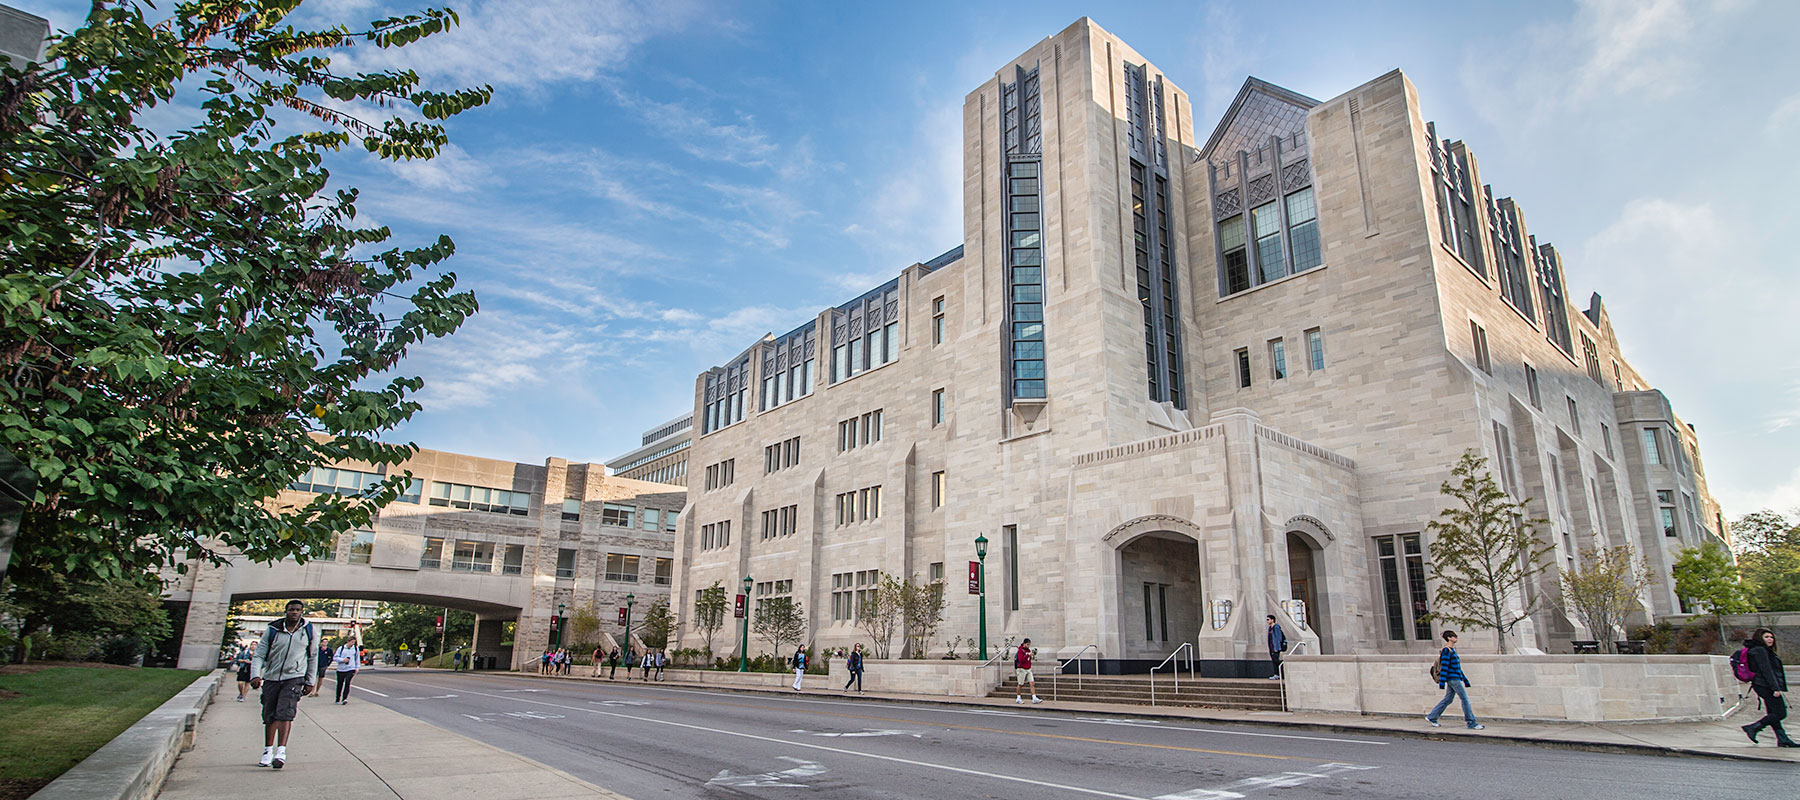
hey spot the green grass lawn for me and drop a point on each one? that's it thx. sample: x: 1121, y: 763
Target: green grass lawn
x: 64, y: 714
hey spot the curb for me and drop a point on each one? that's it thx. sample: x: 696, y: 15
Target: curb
x: 1320, y: 727
x: 133, y: 765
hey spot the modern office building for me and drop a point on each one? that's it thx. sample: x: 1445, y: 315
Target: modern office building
x: 1181, y: 383
x: 663, y: 456
x: 512, y: 542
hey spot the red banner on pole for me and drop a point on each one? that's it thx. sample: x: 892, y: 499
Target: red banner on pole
x: 738, y: 611
x: 974, y: 577
x: 440, y: 622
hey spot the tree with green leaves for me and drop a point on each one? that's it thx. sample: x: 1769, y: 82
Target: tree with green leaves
x: 84, y: 618
x: 1605, y: 592
x: 1705, y: 576
x: 190, y: 319
x: 922, y: 610
x: 1768, y: 547
x: 781, y: 621
x: 882, y: 613
x: 658, y: 624
x: 584, y: 628
x: 416, y: 627
x: 709, y: 614
x: 1484, y: 551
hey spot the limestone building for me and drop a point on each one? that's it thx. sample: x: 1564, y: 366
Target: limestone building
x: 1181, y: 383
x: 509, y: 541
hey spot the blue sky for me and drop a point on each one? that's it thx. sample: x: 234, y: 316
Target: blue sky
x: 658, y: 184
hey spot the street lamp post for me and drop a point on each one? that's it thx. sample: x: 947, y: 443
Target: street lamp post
x: 981, y: 578
x: 629, y: 599
x: 562, y: 618
x: 744, y: 643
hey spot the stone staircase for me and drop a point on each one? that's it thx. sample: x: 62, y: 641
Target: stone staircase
x: 1241, y: 693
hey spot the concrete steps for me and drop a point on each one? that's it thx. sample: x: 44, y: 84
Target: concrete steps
x: 1241, y: 693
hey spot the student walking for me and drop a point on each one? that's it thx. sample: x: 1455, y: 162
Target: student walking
x: 1455, y: 684
x: 324, y: 662
x: 649, y: 663
x: 799, y: 666
x: 599, y: 658
x: 283, y: 670
x: 1277, y: 646
x: 662, y: 659
x: 855, y: 665
x: 612, y: 659
x: 347, y: 659
x: 1770, y: 684
x: 241, y: 662
x: 1022, y: 673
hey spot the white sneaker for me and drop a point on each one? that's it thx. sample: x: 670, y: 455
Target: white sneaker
x: 280, y: 757
x: 268, y: 755
x: 1036, y: 699
x: 1019, y: 700
x: 240, y: 699
x: 1432, y: 722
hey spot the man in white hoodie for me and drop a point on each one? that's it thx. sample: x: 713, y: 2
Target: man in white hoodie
x: 283, y: 670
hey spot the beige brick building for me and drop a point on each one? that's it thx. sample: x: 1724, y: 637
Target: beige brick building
x: 508, y: 541
x: 1182, y: 383
x: 662, y: 458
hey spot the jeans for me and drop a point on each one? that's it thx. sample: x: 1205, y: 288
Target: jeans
x: 1457, y: 690
x: 343, y: 684
x: 855, y: 678
x: 1775, y: 710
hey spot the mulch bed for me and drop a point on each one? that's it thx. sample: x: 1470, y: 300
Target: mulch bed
x: 21, y: 788
x: 35, y: 666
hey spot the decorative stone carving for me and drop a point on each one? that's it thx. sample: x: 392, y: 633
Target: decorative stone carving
x: 1262, y: 190
x: 1296, y: 176
x: 1227, y: 204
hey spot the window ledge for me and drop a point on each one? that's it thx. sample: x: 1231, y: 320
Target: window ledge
x: 1485, y: 281
x: 1278, y: 281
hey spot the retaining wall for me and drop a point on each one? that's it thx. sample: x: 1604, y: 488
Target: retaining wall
x: 133, y: 765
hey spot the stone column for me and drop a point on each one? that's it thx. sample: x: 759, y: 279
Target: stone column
x: 1245, y: 577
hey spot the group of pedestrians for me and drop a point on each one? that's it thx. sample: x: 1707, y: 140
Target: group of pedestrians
x: 652, y: 662
x: 556, y: 661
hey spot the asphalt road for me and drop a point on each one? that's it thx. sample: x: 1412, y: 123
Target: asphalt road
x: 647, y: 741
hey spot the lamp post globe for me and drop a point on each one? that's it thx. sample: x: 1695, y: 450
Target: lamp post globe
x: 744, y: 642
x: 981, y: 544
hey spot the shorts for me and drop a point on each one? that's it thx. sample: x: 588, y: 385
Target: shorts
x: 281, y: 699
x: 244, y: 674
x: 1024, y: 676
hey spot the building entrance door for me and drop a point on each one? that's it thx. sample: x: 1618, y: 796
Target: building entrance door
x: 1304, y: 585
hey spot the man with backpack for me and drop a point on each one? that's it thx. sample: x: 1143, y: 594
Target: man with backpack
x: 1022, y: 673
x: 855, y: 665
x: 1768, y: 678
x: 283, y: 670
x: 1277, y: 646
x: 1449, y: 676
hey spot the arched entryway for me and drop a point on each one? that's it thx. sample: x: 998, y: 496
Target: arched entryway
x: 1306, y: 577
x: 1160, y: 593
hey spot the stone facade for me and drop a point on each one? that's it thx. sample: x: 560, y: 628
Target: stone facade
x: 1211, y: 441
x: 436, y: 546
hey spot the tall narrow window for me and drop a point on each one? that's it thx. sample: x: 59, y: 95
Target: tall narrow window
x: 1303, y: 229
x: 1277, y: 359
x: 1390, y: 588
x: 1574, y: 417
x: 1243, y: 367
x: 937, y: 407
x: 1652, y: 447
x: 1026, y: 286
x: 1234, y: 254
x: 1531, y: 387
x: 1315, y: 350
x: 938, y: 488
x: 1012, y: 567
x: 937, y: 321
x: 1266, y: 219
x: 1606, y: 438
x: 1503, y: 459
x: 1415, y: 583
x: 1479, y: 336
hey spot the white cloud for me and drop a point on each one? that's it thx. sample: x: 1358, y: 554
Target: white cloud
x: 496, y: 354
x: 1782, y: 497
x: 1786, y: 113
x: 451, y: 171
x: 1228, y: 53
x: 915, y: 211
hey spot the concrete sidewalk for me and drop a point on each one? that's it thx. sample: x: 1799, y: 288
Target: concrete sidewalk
x: 358, y: 750
x: 1721, y: 739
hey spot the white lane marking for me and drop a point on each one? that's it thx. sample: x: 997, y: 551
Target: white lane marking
x: 617, y: 703
x: 862, y: 733
x: 531, y: 715
x: 838, y: 750
x: 473, y: 717
x: 806, y: 769
x: 370, y: 691
x: 1279, y: 780
x: 428, y: 697
x: 508, y: 691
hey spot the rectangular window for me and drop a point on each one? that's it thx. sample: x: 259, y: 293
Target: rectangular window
x: 665, y: 571
x: 617, y: 515
x: 621, y: 568
x: 1390, y: 588
x: 669, y: 520
x: 1277, y: 359
x: 476, y: 498
x: 937, y: 407
x: 840, y: 362
x: 1243, y: 367
x: 1415, y: 582
x: 565, y: 562
x: 1303, y: 229
x: 1668, y: 519
x: 1503, y: 459
x: 937, y: 321
x: 1478, y: 335
x: 1315, y: 350
x: 571, y: 509
x: 847, y: 435
x: 1012, y: 567
x: 1234, y: 256
x: 1149, y: 612
x: 877, y: 340
x: 652, y: 519
x: 1269, y: 263
x: 935, y: 573
x: 1531, y: 387
x: 362, y: 546
x: 1652, y: 447
x: 471, y: 556
x: 1606, y: 438
x: 1591, y: 355
x: 433, y: 557
x: 1574, y: 417
x: 893, y: 341
x: 513, y: 563
x: 937, y: 489
x: 871, y: 425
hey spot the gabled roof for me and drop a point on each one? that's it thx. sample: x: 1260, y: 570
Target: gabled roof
x: 1252, y: 88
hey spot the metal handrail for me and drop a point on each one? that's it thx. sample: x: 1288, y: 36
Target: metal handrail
x: 1076, y: 660
x: 1175, y: 669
